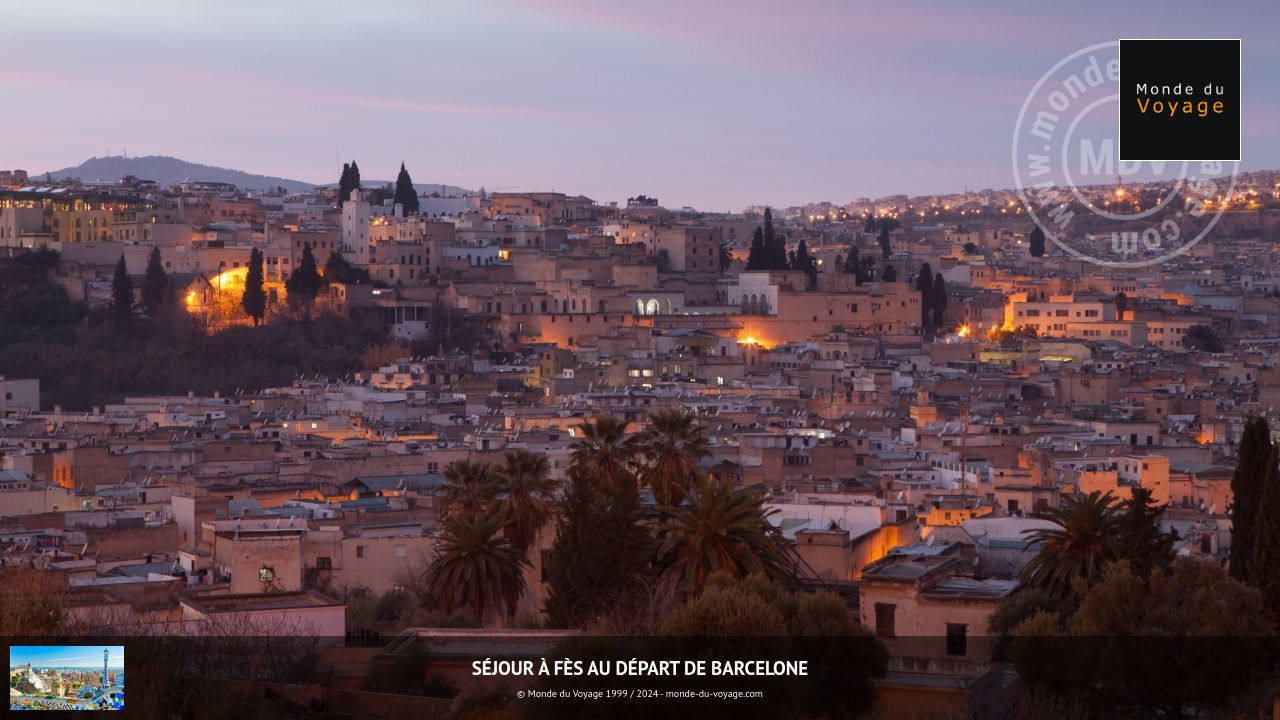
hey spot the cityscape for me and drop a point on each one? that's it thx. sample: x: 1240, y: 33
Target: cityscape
x: 59, y: 677
x: 327, y: 412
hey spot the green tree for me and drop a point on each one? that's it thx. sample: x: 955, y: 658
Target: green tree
x: 938, y: 300
x: 1140, y: 540
x: 155, y: 284
x: 349, y: 181
x: 1266, y: 541
x: 720, y: 529
x: 924, y: 285
x: 602, y: 555
x: 1083, y: 541
x: 1190, y: 637
x: 601, y: 454
x: 469, y: 488
x: 756, y: 259
x: 121, y: 307
x: 890, y: 273
x: 254, y: 299
x: 1122, y: 303
x: 671, y: 448
x: 885, y: 248
x: 1035, y: 242
x: 1246, y: 489
x: 476, y: 567
x: 526, y: 495
x: 1203, y: 338
x: 406, y: 196
x: 337, y: 269
x: 304, y: 283
x: 970, y: 249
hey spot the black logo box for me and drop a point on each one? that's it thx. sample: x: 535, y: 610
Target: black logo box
x: 1185, y: 65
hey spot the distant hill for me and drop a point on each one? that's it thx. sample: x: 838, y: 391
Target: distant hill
x: 168, y: 171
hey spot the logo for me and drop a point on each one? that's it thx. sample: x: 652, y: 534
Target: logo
x: 1079, y: 192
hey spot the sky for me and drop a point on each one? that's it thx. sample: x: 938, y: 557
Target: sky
x: 708, y: 103
x: 66, y: 656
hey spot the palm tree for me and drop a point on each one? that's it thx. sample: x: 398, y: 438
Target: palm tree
x: 671, y: 447
x: 602, y: 454
x: 469, y: 488
x: 1083, y: 541
x: 526, y: 495
x: 476, y: 566
x: 720, y: 529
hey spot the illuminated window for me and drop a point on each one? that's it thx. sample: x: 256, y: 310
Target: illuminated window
x: 267, y: 574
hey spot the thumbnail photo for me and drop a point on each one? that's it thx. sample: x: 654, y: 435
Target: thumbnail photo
x: 66, y: 677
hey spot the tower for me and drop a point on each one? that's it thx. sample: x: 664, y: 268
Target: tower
x: 104, y: 668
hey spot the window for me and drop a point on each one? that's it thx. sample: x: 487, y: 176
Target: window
x: 360, y: 551
x: 324, y: 563
x: 267, y: 574
x: 957, y: 639
x: 884, y: 619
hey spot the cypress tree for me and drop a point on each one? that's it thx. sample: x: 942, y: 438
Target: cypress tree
x: 155, y: 284
x: 304, y: 282
x: 775, y: 248
x: 889, y: 274
x: 939, y: 300
x: 1265, y: 564
x: 601, y: 555
x: 344, y: 183
x: 254, y: 300
x: 121, y: 307
x: 885, y: 249
x: 924, y: 285
x: 1246, y: 487
x: 405, y: 195
x: 355, y: 177
x: 756, y: 259
x: 1036, y: 242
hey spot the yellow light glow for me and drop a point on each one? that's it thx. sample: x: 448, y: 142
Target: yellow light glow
x: 964, y: 331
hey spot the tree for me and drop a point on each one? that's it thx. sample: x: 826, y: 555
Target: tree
x: 469, y: 488
x: 406, y: 196
x: 671, y: 448
x: 1203, y: 338
x: 155, y: 284
x: 775, y: 246
x: 1185, y: 638
x: 337, y: 269
x: 476, y: 567
x: 1035, y: 242
x: 924, y: 285
x: 602, y: 555
x: 1122, y: 302
x: 1140, y: 540
x: 970, y: 249
x: 1246, y: 489
x: 885, y: 248
x: 938, y: 299
x: 726, y: 258
x: 1266, y: 541
x: 1083, y: 541
x: 526, y: 496
x: 349, y: 181
x: 720, y: 529
x: 756, y: 258
x: 254, y: 300
x: 889, y: 274
x: 602, y: 455
x: 304, y: 283
x: 121, y: 307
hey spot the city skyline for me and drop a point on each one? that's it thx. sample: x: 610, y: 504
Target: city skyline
x: 840, y: 103
x: 66, y: 656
